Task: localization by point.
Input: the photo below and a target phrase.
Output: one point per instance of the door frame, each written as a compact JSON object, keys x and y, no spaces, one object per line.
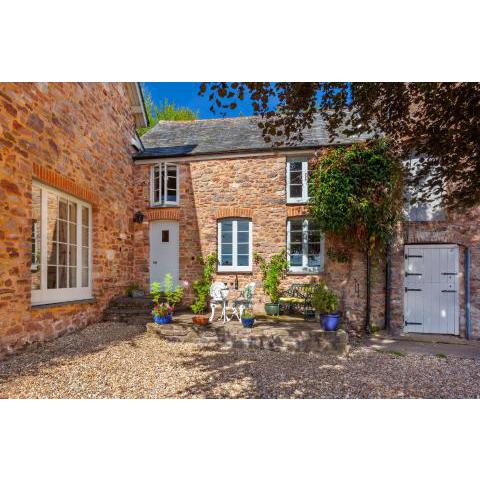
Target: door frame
{"x":457,"y":293}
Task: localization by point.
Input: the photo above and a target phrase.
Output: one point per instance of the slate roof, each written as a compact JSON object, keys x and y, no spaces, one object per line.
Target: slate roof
{"x":225,"y":135}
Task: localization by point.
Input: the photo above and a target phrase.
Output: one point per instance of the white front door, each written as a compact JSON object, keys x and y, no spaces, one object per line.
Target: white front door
{"x":164,"y":243}
{"x":431,"y":289}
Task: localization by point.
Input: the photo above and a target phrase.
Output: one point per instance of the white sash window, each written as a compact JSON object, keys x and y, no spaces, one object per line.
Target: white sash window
{"x":164,"y":185}
{"x":297,"y":180}
{"x":61,"y":265}
{"x":235,"y":245}
{"x":305,"y":246}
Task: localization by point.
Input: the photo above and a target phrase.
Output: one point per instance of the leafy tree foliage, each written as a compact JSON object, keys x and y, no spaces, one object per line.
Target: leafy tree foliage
{"x":438,"y":122}
{"x":164,"y":111}
{"x":272,"y":273}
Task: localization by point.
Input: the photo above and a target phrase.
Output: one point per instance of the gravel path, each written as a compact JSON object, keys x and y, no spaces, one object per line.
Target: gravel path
{"x":113,"y":360}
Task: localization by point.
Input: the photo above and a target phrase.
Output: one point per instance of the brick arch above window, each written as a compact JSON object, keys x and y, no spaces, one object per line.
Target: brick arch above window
{"x":163,"y":214}
{"x":297,"y":211}
{"x":238,"y":212}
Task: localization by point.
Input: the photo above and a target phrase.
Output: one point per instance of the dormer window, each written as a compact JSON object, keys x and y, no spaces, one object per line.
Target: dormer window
{"x":164,"y":184}
{"x":297,"y":180}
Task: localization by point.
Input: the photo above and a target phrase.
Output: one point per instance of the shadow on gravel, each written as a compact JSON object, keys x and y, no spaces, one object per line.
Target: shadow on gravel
{"x":258,"y":373}
{"x":92,"y":338}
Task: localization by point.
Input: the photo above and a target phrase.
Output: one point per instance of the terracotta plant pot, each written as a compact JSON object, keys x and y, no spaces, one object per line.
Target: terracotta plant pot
{"x":200,"y":320}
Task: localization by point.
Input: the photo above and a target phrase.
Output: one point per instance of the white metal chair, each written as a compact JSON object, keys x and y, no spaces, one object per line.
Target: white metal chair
{"x":246,"y":299}
{"x":218,"y":297}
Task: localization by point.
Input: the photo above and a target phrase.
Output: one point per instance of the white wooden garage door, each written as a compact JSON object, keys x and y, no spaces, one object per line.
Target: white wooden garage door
{"x":431,"y":289}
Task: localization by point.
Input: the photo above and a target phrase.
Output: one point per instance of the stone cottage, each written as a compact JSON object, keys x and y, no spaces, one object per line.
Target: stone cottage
{"x":87,"y":209}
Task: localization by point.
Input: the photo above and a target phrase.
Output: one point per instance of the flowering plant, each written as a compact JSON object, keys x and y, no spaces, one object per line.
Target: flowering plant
{"x":161,"y":310}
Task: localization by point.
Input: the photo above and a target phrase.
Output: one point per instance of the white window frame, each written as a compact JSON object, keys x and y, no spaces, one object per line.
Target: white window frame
{"x":162,"y":202}
{"x":44,"y":295}
{"x":304,"y":268}
{"x":234,"y":267}
{"x":304,"y":197}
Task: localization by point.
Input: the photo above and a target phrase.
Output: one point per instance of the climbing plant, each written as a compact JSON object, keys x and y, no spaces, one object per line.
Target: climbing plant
{"x":356,"y":192}
{"x":202,"y":287}
{"x":272,"y":272}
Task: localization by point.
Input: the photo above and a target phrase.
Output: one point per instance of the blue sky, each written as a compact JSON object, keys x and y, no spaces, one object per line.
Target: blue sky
{"x":185,"y":94}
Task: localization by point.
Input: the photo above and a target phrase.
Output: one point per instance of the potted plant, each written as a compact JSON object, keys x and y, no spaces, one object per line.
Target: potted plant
{"x":248,"y":318}
{"x":325,"y":303}
{"x":173,"y":296}
{"x":272,"y":273}
{"x":134,"y":291}
{"x":201,"y":289}
{"x":161,"y":313}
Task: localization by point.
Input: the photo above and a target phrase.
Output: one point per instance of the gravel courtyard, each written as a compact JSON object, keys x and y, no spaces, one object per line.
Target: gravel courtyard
{"x":114,"y":360}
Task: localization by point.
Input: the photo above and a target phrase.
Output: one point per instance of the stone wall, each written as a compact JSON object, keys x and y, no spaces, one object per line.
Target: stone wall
{"x":246,"y":187}
{"x":75,"y":137}
{"x":461,"y":229}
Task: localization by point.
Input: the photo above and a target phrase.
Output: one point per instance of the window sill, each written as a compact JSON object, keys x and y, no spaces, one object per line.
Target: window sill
{"x":296,"y":202}
{"x":312,"y":272}
{"x":235,"y":271}
{"x":173,"y":205}
{"x":61,"y":304}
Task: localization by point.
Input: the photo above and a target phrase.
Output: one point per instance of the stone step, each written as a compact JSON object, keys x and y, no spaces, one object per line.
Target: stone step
{"x":300,"y":338}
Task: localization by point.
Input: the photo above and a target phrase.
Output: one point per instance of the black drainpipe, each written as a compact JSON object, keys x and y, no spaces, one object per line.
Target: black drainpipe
{"x":369,"y":268}
{"x":388,"y":287}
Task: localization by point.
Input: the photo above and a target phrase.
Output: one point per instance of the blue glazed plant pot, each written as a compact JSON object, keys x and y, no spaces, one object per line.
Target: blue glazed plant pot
{"x":162,"y":320}
{"x":248,"y":322}
{"x":330,"y":321}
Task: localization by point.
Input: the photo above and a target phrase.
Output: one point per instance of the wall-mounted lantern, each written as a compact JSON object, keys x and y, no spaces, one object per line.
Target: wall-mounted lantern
{"x":138,"y":217}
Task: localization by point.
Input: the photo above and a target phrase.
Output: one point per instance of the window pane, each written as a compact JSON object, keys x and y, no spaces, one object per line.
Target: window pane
{"x":243,"y":225}
{"x":242,"y":260}
{"x":172,"y":183}
{"x":156,"y":196}
{"x":72,"y":233}
{"x":72,"y":277}
{"x":171,"y":196}
{"x":227,"y":248}
{"x":296,"y":225}
{"x":36,"y":236}
{"x":62,"y":254}
{"x":296,"y":237}
{"x":62,"y":231}
{"x":72,"y":212}
{"x":296,"y":248}
{"x":85,"y":236}
{"x":314,"y":248}
{"x":72,"y":251}
{"x":314,"y":236}
{"x":63,"y":209}
{"x":295,"y":178}
{"x":52,"y":253}
{"x":62,"y":277}
{"x":242,"y":248}
{"x":296,"y":260}
{"x":227,"y":226}
{"x":226,"y":237}
{"x":84,"y":277}
{"x":52,"y":230}
{"x":295,"y":166}
{"x":84,"y":257}
{"x":226,"y":260}
{"x":165,"y":236}
{"x":243,"y":237}
{"x":314,"y":260}
{"x":85,"y":219}
{"x":295,"y":191}
{"x":52,"y":277}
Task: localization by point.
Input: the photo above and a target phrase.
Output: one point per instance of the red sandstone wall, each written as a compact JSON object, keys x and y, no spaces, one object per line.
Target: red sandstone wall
{"x":252,"y":187}
{"x":75,"y":137}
